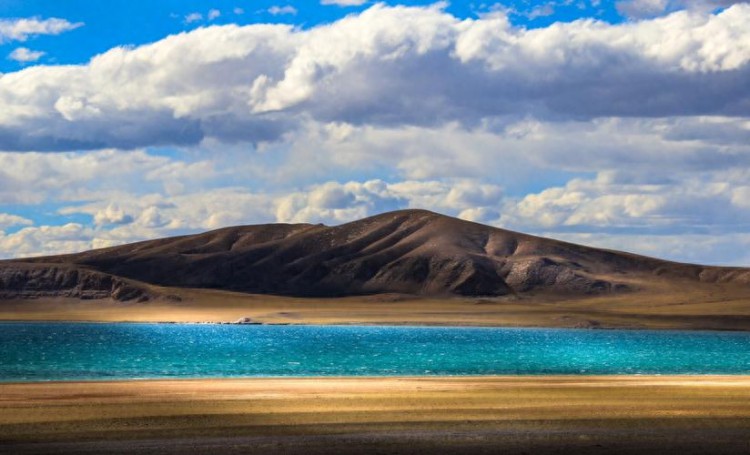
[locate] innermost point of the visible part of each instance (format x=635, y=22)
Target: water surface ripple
x=78, y=351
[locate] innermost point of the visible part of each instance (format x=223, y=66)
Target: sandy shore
x=718, y=307
x=616, y=414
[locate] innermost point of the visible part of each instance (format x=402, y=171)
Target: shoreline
x=698, y=378
x=446, y=325
x=721, y=308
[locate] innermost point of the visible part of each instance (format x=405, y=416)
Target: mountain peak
x=407, y=251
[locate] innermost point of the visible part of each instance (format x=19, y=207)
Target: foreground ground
x=581, y=415
x=659, y=305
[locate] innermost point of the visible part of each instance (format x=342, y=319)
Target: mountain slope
x=410, y=251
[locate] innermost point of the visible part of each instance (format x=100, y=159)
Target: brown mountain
x=410, y=252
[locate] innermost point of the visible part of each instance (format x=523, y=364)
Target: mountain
x=410, y=252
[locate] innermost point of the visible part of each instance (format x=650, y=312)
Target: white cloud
x=139, y=217
x=607, y=212
x=343, y=2
x=256, y=83
x=703, y=203
x=238, y=11
x=727, y=250
x=22, y=29
x=612, y=210
x=46, y=240
x=156, y=215
x=193, y=17
x=541, y=11
x=25, y=55
x=34, y=178
x=653, y=8
x=335, y=203
x=213, y=14
x=642, y=8
x=516, y=153
x=112, y=214
x=586, y=130
x=281, y=10
x=156, y=221
x=8, y=220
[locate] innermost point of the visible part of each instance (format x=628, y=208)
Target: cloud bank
x=256, y=83
x=633, y=136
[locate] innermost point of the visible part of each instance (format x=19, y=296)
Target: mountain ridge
x=408, y=251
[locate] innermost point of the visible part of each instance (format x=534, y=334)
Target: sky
x=621, y=124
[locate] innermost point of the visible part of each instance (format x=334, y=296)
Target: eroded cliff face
x=34, y=281
x=414, y=252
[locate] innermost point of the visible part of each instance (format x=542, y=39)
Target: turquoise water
x=72, y=351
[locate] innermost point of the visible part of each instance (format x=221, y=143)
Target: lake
x=79, y=351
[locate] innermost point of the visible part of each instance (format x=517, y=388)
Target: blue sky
x=622, y=124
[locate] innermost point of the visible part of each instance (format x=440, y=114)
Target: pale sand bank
x=720, y=307
x=545, y=414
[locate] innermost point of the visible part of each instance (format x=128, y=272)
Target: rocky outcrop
x=410, y=252
x=34, y=281
x=543, y=273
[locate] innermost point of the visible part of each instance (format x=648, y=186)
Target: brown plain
x=666, y=305
x=554, y=414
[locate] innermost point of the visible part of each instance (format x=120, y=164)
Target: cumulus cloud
x=213, y=14
x=138, y=217
x=112, y=214
x=609, y=211
x=22, y=29
x=8, y=220
x=153, y=215
x=193, y=17
x=727, y=250
x=159, y=220
x=616, y=209
x=343, y=2
x=642, y=8
x=639, y=9
x=281, y=10
x=652, y=177
x=706, y=203
x=334, y=202
x=35, y=178
x=46, y=240
x=541, y=11
x=256, y=83
x=25, y=55
x=517, y=152
x=632, y=136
